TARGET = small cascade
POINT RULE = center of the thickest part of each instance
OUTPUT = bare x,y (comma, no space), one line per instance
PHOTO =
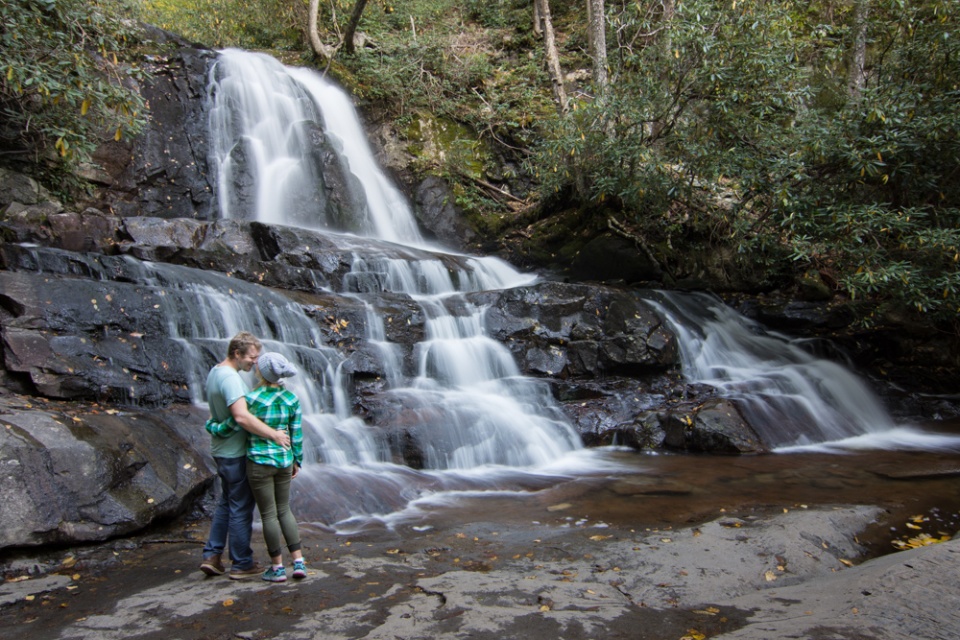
204,314
794,399
468,398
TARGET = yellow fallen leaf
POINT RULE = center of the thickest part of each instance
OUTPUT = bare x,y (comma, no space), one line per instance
598,538
770,576
559,507
693,634
846,562
228,602
30,598
544,607
912,526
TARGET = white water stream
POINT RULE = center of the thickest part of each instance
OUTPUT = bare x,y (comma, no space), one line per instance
795,400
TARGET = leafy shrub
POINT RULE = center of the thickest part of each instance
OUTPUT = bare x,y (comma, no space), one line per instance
64,84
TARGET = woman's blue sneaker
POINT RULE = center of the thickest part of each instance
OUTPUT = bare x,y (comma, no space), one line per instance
275,575
299,569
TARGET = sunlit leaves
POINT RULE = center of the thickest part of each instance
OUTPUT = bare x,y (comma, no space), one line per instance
232,23
925,538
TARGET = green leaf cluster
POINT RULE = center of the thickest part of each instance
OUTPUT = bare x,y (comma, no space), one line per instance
64,82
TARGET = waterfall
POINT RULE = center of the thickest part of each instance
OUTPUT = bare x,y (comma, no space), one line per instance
270,128
471,413
794,399
288,149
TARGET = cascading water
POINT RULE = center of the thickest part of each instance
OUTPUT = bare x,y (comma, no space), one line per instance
475,419
792,398
264,124
276,133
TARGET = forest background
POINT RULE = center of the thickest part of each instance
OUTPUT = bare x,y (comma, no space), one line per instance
809,147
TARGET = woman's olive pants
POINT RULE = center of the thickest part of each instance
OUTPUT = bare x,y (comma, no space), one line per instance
271,490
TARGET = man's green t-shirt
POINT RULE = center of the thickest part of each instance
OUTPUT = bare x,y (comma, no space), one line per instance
224,387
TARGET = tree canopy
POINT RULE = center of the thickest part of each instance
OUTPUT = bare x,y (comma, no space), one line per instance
741,112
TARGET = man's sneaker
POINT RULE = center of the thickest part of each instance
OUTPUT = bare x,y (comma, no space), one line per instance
299,569
212,566
275,575
242,574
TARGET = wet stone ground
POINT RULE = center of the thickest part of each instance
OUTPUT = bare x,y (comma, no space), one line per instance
683,547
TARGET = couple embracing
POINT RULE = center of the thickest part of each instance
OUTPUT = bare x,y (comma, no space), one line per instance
257,444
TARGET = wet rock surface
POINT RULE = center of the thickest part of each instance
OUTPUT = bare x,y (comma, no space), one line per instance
743,576
72,474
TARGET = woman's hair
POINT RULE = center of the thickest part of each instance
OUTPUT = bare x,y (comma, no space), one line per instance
243,342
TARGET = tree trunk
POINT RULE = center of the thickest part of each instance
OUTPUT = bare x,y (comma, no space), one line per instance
669,11
598,45
858,55
553,58
318,47
352,25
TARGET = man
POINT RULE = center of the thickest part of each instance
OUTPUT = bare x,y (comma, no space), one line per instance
233,518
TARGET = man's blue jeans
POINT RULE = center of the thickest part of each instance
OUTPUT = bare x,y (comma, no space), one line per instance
233,518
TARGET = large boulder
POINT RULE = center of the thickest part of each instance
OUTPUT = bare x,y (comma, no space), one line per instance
714,426
437,212
85,473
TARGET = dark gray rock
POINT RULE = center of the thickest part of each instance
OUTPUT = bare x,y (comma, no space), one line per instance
438,214
164,172
580,330
83,339
84,473
22,189
715,426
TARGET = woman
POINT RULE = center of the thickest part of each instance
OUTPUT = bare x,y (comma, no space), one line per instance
270,467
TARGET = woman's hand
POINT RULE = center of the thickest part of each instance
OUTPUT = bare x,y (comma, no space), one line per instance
296,470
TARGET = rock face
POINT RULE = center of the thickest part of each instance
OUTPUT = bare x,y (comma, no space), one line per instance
164,172
438,214
76,473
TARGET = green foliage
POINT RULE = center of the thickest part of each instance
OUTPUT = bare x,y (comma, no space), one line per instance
262,24
731,124
879,204
64,85
430,60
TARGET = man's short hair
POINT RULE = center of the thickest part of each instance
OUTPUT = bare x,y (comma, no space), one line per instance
242,343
